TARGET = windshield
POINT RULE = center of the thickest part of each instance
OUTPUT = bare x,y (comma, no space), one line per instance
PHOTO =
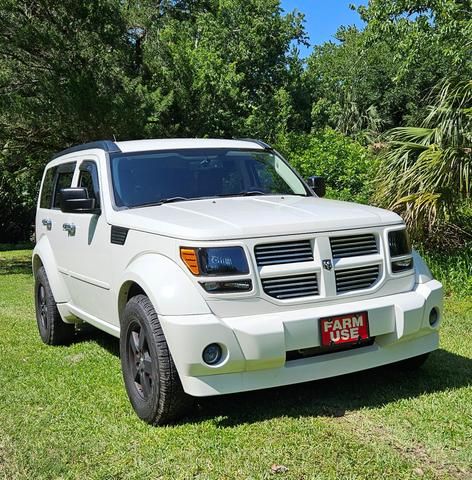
149,178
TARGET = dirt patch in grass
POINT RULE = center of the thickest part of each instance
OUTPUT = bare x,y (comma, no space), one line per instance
8,467
438,466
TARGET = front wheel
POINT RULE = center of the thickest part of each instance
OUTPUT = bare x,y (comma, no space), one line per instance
151,379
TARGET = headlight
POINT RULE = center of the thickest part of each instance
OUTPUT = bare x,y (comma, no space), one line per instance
215,260
400,251
399,243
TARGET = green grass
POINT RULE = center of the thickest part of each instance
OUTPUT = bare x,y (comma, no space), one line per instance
64,413
454,270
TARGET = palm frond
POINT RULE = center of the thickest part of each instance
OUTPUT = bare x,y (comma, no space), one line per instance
426,171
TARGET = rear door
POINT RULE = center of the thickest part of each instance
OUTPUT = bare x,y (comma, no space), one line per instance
49,218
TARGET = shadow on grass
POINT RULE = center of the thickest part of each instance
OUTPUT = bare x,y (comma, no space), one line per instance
9,247
323,398
333,397
88,333
12,266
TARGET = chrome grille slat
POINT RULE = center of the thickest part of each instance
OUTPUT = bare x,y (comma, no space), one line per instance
290,253
356,278
349,240
341,274
290,245
292,286
344,238
275,283
351,254
284,289
362,286
285,252
353,245
356,282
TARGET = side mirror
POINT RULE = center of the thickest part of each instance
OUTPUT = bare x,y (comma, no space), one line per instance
76,200
317,184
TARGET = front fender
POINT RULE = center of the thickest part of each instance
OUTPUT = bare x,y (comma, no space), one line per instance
166,284
43,252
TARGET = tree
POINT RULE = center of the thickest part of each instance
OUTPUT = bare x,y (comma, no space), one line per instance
379,78
63,79
426,171
72,72
220,68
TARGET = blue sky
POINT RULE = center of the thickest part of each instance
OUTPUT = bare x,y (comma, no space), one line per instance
323,17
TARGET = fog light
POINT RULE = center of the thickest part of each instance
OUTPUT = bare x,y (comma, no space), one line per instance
433,316
227,287
402,265
212,354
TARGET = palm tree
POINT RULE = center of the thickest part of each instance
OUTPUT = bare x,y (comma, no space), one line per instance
426,171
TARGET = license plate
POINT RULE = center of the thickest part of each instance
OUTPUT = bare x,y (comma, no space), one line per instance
344,329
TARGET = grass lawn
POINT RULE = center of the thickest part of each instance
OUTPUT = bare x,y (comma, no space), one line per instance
64,413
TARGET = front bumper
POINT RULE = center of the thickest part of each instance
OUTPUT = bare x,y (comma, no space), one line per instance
254,347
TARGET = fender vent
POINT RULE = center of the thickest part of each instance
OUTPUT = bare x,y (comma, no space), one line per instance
118,235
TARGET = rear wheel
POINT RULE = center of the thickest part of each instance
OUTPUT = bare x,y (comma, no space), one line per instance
52,329
151,379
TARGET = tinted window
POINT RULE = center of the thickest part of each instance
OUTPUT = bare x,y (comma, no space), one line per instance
63,179
88,178
147,178
48,187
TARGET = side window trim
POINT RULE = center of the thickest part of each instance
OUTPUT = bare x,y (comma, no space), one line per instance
91,167
68,167
48,177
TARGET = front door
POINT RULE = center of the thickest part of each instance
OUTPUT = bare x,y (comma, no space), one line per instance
88,236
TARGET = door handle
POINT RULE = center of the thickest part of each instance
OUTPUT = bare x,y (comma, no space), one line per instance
47,222
70,228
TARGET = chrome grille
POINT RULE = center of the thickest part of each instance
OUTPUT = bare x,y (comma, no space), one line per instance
287,252
293,286
357,278
353,245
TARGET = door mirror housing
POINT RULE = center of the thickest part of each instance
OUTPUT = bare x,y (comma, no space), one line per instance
317,184
76,200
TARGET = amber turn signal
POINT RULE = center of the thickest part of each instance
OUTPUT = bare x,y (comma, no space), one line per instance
189,257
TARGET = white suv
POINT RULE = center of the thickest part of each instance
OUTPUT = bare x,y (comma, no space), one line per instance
220,270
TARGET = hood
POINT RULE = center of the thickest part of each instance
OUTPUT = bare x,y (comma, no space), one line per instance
250,217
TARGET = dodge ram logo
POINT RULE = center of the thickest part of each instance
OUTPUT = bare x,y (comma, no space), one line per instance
327,264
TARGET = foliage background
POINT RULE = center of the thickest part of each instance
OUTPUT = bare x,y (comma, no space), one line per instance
72,72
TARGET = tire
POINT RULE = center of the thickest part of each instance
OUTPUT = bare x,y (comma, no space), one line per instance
52,329
151,379
413,363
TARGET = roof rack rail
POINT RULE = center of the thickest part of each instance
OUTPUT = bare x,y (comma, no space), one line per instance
106,145
262,144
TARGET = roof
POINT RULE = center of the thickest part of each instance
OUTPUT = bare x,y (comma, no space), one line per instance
180,143
165,144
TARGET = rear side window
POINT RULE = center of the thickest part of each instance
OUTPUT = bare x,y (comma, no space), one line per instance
48,188
64,180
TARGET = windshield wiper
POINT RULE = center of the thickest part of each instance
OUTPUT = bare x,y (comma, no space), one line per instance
248,193
162,201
